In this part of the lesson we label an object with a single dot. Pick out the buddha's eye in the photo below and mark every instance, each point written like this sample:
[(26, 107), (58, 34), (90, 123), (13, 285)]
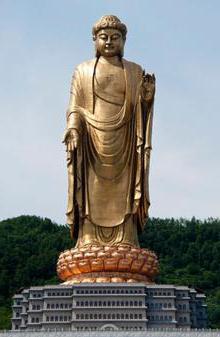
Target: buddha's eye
[(115, 37), (103, 37)]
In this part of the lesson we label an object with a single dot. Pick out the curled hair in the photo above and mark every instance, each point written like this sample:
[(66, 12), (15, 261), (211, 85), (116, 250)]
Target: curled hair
[(109, 21)]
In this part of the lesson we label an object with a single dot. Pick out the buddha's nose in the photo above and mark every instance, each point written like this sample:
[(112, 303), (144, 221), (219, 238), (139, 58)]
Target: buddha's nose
[(108, 40)]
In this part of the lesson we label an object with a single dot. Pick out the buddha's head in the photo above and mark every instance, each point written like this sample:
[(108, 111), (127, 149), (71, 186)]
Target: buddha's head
[(109, 34)]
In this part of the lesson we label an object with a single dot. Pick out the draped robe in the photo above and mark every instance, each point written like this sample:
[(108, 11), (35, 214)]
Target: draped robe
[(108, 173)]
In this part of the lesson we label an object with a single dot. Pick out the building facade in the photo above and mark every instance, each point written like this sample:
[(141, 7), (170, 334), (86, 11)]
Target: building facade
[(108, 306)]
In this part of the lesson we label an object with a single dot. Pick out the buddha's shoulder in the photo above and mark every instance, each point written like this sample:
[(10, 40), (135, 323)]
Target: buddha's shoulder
[(86, 65), (132, 65)]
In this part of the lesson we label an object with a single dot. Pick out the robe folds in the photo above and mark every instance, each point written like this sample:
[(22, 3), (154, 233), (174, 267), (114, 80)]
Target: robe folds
[(108, 172)]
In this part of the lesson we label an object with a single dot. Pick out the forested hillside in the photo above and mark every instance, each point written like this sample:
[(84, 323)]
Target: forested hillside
[(189, 253)]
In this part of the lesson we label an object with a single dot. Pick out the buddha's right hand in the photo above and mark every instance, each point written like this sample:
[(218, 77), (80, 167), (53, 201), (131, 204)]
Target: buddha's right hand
[(71, 139)]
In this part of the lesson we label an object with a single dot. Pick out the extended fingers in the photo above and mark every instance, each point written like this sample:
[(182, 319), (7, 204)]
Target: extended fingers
[(148, 78)]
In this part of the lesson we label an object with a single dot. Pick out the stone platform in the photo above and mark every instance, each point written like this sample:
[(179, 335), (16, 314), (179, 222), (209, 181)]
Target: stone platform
[(147, 333)]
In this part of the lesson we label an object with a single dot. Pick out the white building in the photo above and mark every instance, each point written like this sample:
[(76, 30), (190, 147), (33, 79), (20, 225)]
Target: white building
[(113, 306)]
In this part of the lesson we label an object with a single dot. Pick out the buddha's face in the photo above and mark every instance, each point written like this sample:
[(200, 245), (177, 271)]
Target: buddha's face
[(109, 42)]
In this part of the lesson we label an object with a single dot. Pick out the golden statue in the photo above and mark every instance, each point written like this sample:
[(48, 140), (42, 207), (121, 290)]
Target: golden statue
[(108, 143)]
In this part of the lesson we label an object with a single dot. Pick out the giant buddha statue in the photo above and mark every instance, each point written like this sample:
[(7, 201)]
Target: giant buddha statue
[(108, 144)]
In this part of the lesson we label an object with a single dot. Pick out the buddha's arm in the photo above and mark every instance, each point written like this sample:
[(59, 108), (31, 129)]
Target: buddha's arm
[(148, 92), (73, 129), (76, 100)]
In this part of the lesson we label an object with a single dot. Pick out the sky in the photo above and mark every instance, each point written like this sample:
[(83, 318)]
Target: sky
[(42, 41)]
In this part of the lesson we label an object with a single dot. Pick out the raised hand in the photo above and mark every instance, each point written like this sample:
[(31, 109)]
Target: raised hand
[(148, 87)]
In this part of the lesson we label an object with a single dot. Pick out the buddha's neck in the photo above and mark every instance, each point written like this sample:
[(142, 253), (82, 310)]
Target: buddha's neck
[(114, 60)]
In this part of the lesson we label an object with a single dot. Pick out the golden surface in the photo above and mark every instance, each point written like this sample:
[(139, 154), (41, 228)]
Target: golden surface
[(108, 144), (123, 262)]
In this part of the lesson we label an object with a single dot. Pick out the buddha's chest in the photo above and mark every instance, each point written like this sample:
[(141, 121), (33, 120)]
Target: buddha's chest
[(110, 78)]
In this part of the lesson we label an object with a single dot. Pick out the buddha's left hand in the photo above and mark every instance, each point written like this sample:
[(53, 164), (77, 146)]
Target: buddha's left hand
[(148, 88)]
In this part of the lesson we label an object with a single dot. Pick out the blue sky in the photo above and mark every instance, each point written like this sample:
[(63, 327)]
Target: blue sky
[(41, 43)]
